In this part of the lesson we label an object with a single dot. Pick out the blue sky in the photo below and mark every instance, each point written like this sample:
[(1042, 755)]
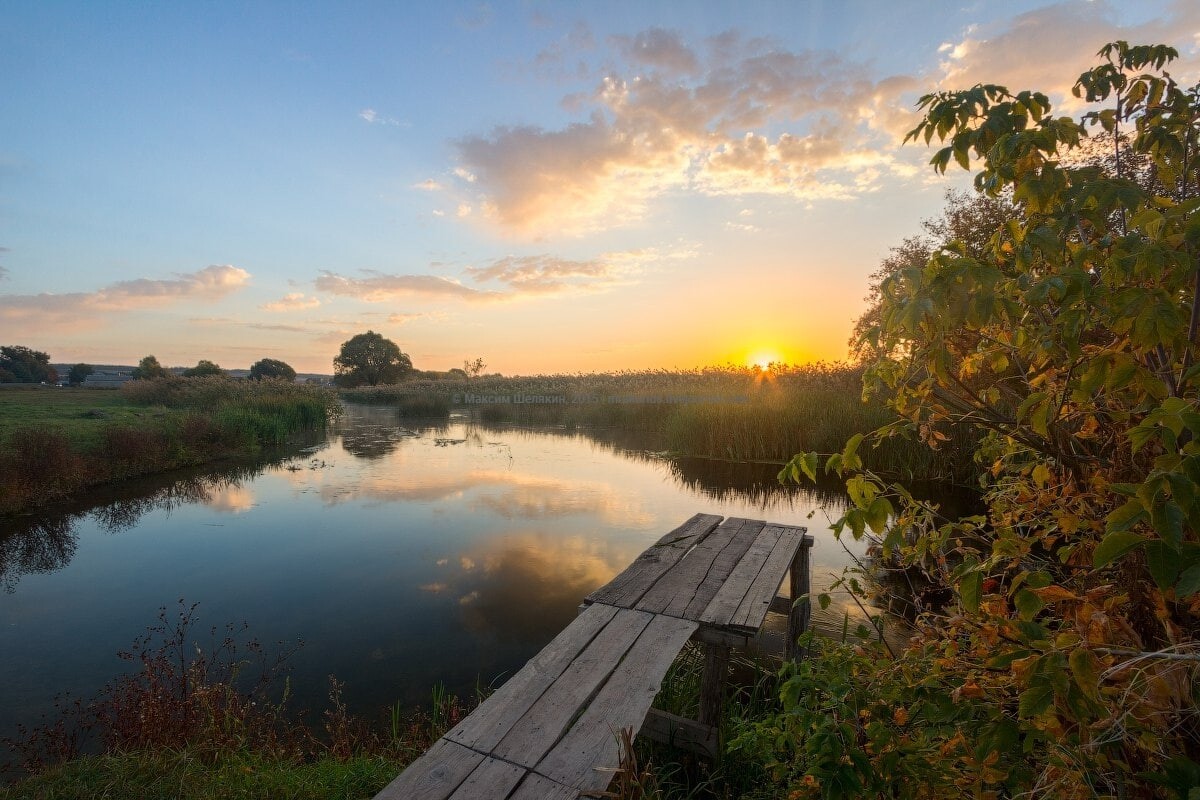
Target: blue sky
[(553, 187)]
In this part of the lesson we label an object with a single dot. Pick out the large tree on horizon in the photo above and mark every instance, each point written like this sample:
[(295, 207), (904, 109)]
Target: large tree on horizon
[(369, 359)]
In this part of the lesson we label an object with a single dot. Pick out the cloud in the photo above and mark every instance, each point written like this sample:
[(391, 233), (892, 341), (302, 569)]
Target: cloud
[(79, 309), (428, 185), (3, 274), (373, 117), (752, 120), (259, 326), (293, 301), (379, 287), (659, 48), (545, 274), (736, 116)]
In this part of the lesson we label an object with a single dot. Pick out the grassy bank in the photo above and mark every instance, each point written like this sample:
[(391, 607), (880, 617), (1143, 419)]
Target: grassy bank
[(733, 413), (57, 441)]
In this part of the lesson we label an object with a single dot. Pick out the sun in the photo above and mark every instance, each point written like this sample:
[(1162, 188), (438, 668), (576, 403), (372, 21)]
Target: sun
[(763, 359)]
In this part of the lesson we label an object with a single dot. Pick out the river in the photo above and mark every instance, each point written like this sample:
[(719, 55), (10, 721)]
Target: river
[(402, 554)]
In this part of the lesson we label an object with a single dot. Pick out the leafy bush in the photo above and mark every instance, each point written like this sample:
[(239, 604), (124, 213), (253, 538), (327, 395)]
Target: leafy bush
[(1065, 663)]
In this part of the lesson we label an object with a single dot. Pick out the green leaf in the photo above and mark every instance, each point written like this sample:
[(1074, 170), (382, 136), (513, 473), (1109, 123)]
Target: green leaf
[(1189, 582), (1085, 668), (969, 589), (1035, 700), (1113, 546), (1125, 517), (1167, 519), (1028, 604), (878, 514), (1164, 564)]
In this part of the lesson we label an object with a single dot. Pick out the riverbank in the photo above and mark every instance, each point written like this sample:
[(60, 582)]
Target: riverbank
[(55, 441)]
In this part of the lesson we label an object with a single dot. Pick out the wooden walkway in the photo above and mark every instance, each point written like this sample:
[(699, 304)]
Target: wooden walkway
[(552, 731)]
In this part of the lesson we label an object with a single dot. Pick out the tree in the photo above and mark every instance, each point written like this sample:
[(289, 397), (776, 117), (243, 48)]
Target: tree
[(474, 367), (149, 368), (272, 368), (370, 359), (79, 373), (23, 365), (203, 368), (1068, 656)]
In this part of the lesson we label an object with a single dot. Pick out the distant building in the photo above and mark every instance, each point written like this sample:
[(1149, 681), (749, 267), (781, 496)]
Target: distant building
[(106, 380)]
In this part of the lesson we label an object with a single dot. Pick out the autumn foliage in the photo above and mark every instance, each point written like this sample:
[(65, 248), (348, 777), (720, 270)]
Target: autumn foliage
[(1066, 661)]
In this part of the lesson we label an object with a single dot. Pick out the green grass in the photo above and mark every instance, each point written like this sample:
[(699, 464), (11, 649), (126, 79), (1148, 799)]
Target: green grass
[(187, 774), (56, 441), (82, 414)]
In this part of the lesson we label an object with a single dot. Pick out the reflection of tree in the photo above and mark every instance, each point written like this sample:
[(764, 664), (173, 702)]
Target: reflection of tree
[(371, 441), (48, 542), (40, 546)]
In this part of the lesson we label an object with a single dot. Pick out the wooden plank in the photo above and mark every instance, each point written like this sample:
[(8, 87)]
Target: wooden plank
[(686, 734), (486, 726), (550, 717), (539, 787), (753, 609), (686, 589), (800, 585), (490, 780), (723, 566), (593, 741), (435, 775), (724, 605), (631, 585), (690, 532)]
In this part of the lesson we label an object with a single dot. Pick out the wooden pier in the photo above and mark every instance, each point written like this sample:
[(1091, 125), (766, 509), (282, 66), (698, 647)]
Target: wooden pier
[(552, 731)]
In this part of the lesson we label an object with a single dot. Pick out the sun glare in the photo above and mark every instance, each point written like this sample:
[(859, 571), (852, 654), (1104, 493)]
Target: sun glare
[(763, 359)]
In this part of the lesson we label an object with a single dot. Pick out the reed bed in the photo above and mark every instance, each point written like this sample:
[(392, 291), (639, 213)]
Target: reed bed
[(730, 412), (59, 441)]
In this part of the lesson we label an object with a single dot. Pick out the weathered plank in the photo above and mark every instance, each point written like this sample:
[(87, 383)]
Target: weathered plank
[(723, 566), (548, 719), (729, 597), (693, 582), (487, 725), (752, 611), (593, 741), (435, 775), (539, 787), (627, 589), (490, 780), (690, 532)]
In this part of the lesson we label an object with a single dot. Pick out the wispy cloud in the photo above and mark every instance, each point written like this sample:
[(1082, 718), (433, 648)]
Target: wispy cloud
[(380, 287), (373, 117), (428, 185), (293, 301), (258, 326), (79, 309)]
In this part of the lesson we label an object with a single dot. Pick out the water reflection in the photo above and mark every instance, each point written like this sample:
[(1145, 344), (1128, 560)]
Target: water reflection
[(404, 554)]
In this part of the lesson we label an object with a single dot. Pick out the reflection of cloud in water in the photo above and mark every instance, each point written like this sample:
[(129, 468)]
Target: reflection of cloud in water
[(507, 494), (433, 588), (231, 499), (528, 587)]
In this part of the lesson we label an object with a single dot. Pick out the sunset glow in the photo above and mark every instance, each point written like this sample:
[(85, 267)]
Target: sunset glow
[(553, 188)]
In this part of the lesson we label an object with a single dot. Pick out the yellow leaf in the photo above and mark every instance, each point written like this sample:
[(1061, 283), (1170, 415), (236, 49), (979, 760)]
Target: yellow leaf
[(1041, 475)]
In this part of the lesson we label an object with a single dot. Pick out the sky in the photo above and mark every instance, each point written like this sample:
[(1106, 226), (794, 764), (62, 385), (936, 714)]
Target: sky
[(552, 187)]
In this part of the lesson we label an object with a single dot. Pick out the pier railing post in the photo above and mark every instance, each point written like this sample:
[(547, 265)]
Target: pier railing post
[(800, 585)]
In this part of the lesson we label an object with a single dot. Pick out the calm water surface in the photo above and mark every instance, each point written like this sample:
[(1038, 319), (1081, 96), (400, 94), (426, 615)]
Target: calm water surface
[(403, 555)]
